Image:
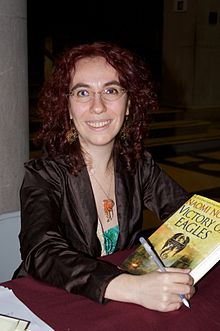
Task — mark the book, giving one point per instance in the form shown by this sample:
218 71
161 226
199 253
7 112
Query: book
9 323
17 315
189 238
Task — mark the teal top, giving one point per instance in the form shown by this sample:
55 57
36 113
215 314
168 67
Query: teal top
111 239
108 239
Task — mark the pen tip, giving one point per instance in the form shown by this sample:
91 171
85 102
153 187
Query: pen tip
186 303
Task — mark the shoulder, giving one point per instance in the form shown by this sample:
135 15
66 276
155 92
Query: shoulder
152 175
44 170
147 165
44 163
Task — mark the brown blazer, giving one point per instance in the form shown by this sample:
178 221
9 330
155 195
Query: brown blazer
58 237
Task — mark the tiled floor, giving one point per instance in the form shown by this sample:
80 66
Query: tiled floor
197 172
191 157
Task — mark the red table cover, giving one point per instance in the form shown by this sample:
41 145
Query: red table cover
69 312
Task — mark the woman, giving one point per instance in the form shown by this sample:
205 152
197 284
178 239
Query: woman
86 197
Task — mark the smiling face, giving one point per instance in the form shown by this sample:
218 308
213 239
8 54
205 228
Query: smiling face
98 118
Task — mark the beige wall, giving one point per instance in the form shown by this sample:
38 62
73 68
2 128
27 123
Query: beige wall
13 101
191 55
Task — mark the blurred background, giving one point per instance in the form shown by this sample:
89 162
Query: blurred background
179 40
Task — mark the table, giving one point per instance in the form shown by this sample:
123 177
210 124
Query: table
69 312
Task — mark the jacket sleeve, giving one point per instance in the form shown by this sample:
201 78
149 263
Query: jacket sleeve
45 252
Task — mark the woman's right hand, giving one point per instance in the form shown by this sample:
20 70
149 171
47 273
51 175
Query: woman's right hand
156 290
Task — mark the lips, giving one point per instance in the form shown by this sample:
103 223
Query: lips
98 124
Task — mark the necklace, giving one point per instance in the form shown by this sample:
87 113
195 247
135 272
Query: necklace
108 203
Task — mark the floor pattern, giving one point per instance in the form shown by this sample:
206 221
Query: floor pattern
197 172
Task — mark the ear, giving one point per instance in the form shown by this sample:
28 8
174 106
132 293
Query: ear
69 108
70 115
127 109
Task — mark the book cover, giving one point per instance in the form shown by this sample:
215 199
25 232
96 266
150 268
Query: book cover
9 323
190 238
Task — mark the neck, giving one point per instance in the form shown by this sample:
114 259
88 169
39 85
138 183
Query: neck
100 167
98 160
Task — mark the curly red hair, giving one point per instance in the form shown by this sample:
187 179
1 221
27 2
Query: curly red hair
134 76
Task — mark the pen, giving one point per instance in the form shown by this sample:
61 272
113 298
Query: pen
159 263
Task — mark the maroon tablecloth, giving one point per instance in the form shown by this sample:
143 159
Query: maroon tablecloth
69 312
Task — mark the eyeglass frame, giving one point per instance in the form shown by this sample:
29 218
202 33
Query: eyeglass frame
100 93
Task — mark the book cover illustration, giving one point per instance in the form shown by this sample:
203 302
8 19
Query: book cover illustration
185 240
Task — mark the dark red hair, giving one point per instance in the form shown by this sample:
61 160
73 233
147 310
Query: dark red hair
53 103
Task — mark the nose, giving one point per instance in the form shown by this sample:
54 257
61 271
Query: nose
97 104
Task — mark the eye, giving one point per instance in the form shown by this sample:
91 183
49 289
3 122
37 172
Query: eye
112 90
82 93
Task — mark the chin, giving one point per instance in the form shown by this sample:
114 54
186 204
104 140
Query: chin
102 142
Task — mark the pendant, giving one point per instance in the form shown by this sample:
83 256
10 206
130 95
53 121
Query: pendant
108 205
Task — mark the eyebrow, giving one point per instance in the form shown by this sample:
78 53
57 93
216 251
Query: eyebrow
80 85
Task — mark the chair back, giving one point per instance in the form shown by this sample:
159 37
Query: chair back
9 244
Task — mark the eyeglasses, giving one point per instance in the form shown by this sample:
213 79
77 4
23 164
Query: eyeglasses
110 94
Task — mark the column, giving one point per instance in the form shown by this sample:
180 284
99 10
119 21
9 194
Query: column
14 136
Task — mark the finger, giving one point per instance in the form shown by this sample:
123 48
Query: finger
185 271
187 290
180 276
169 302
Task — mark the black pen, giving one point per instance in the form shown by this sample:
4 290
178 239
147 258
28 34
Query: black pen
159 263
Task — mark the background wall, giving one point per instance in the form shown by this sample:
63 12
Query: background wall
191 53
14 142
